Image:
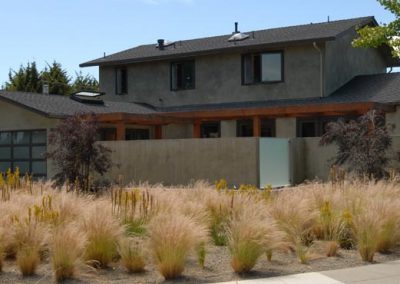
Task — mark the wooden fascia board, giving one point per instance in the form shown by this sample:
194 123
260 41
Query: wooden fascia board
290 111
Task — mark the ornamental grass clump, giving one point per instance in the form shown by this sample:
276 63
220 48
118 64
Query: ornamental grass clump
251 233
132 255
292 211
172 237
67 246
103 232
30 240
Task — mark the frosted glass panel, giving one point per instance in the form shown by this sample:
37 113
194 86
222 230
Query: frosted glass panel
39 168
38 152
5 138
39 136
21 152
5 153
274 162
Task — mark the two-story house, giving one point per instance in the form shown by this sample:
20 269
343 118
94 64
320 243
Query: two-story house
281 82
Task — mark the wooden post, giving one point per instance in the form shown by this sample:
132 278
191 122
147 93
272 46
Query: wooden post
256 126
120 131
197 129
158 132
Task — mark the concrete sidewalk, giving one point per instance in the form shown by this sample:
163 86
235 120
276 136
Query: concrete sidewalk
385 273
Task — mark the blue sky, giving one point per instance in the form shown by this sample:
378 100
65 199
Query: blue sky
75 31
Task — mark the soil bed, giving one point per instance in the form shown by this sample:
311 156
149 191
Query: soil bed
217 268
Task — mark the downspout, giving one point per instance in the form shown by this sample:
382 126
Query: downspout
321 69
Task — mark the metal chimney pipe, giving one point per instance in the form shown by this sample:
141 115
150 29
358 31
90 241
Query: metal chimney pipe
236 28
45 88
160 44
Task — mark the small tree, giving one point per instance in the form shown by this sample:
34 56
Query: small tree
362 144
75 152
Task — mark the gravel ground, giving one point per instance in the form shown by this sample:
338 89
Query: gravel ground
217 268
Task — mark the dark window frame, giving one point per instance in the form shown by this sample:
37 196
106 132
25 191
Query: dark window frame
136 133
30 145
259 54
319 123
124 86
243 123
171 70
205 124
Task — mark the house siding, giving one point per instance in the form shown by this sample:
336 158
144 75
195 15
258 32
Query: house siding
343 62
217 79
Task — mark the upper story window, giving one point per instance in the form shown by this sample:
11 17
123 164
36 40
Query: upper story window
121 81
182 75
264 67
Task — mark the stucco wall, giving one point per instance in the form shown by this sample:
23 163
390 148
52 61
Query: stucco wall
343 62
393 118
217 79
228 128
177 131
286 127
185 160
17 118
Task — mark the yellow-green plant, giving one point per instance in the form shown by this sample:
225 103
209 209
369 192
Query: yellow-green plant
251 234
172 236
67 245
28 258
102 231
221 184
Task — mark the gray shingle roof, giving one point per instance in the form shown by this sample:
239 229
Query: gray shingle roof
269 37
380 88
62 106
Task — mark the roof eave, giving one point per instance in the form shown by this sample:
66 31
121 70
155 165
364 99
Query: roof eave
97 62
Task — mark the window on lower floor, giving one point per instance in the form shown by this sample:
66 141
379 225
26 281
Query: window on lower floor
182 75
25 150
268 127
244 128
121 81
262 68
210 129
107 134
137 134
316 126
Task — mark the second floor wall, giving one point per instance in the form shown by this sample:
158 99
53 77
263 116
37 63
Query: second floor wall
220 78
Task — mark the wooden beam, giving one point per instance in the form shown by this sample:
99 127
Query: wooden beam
120 130
256 126
291 111
197 129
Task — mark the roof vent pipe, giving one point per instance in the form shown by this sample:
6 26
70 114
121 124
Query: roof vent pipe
160 44
236 28
45 89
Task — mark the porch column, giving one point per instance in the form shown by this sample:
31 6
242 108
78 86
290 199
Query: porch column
120 131
158 132
256 126
197 129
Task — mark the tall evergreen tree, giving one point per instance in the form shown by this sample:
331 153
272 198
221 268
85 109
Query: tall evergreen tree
26 79
57 79
85 83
